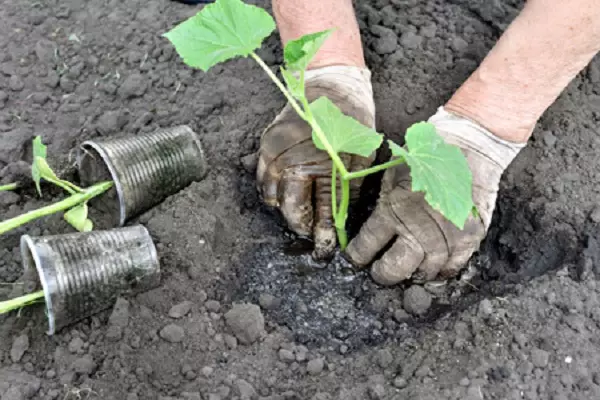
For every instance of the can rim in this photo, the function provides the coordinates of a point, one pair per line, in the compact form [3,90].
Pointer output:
[113,172]
[28,252]
[198,144]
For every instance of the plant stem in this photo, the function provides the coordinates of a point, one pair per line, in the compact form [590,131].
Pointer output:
[279,84]
[333,190]
[10,186]
[72,186]
[305,115]
[62,184]
[342,214]
[372,170]
[20,302]
[63,205]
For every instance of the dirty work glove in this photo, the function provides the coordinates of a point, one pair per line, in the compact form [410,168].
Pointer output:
[290,167]
[424,245]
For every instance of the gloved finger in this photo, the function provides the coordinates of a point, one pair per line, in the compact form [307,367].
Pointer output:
[411,210]
[471,237]
[285,133]
[268,183]
[303,156]
[399,262]
[295,201]
[374,235]
[324,229]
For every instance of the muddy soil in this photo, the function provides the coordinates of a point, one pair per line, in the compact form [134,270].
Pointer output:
[241,313]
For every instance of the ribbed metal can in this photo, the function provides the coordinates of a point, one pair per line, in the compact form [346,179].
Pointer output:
[84,273]
[145,169]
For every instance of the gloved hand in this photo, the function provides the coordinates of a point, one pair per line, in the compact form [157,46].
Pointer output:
[424,245]
[290,167]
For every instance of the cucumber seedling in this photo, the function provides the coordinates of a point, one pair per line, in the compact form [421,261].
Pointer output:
[74,207]
[231,28]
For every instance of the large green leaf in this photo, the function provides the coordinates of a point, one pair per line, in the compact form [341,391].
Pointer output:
[344,134]
[440,170]
[298,53]
[223,30]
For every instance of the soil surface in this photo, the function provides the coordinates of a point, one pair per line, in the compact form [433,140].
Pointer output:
[242,312]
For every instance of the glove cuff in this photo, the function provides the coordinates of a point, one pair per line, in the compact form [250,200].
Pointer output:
[350,82]
[468,134]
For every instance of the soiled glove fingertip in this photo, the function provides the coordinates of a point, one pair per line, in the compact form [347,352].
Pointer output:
[383,276]
[325,242]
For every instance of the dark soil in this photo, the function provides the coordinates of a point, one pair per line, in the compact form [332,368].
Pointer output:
[523,323]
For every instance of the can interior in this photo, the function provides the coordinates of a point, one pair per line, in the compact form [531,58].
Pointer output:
[33,272]
[94,166]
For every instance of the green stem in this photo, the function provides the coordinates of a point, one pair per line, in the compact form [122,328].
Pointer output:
[279,84]
[20,302]
[69,202]
[72,186]
[372,170]
[307,116]
[333,189]
[342,215]
[10,186]
[62,184]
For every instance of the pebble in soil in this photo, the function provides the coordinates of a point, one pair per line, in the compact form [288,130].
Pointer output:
[321,303]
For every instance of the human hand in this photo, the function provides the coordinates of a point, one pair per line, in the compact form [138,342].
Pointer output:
[290,167]
[425,245]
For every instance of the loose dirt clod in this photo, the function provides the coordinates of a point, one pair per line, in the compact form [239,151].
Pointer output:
[416,300]
[172,333]
[180,310]
[19,347]
[246,322]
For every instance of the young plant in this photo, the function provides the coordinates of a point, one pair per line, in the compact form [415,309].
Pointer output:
[230,28]
[74,206]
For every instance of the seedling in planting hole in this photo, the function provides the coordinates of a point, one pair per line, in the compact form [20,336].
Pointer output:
[75,206]
[230,28]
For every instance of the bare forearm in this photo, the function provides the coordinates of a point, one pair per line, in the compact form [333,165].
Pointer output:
[544,48]
[298,18]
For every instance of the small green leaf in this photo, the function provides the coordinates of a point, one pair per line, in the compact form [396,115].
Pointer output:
[39,148]
[88,226]
[294,85]
[221,31]
[440,170]
[344,134]
[39,152]
[77,217]
[298,53]
[44,169]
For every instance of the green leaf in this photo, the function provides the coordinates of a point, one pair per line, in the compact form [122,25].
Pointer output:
[344,134]
[440,170]
[39,153]
[77,217]
[221,31]
[294,85]
[298,53]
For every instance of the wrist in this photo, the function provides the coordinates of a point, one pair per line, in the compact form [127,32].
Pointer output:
[344,45]
[491,104]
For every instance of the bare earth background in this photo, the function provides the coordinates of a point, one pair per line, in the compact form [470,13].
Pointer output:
[526,326]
